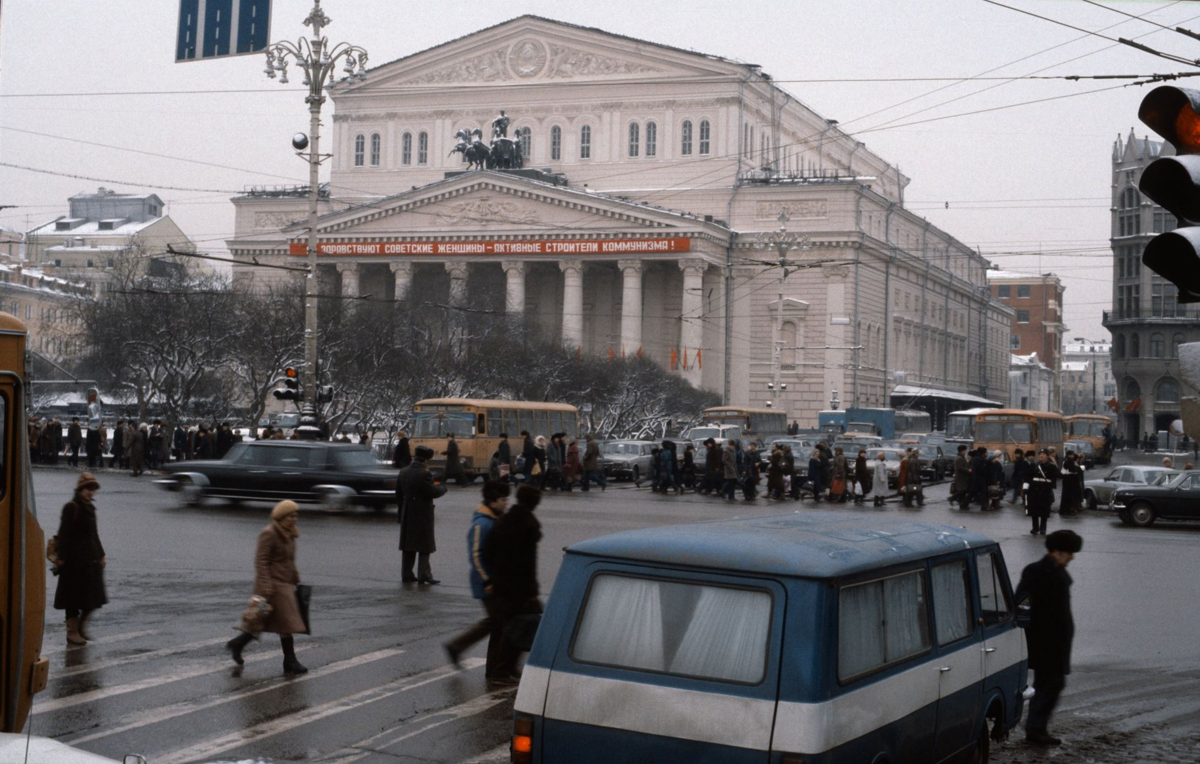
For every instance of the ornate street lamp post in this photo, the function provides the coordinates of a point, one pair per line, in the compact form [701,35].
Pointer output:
[783,242]
[318,61]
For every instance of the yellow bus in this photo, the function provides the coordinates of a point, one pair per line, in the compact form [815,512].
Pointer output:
[1090,427]
[755,422]
[477,425]
[1009,429]
[23,670]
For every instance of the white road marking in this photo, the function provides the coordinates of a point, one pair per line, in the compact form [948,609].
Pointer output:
[84,668]
[164,713]
[499,753]
[210,667]
[210,748]
[98,641]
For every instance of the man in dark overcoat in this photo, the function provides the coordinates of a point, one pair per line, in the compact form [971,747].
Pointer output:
[1039,493]
[74,441]
[403,456]
[454,468]
[960,488]
[979,477]
[1051,629]
[1072,485]
[415,492]
[79,560]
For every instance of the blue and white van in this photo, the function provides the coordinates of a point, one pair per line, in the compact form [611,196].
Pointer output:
[807,638]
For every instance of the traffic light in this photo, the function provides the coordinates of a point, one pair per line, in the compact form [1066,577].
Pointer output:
[325,394]
[1174,184]
[291,389]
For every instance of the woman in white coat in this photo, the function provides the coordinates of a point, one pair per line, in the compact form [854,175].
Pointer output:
[879,480]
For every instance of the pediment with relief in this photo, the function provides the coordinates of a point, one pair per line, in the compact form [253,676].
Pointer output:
[531,58]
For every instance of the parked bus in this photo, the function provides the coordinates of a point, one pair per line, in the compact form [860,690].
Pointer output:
[1009,429]
[755,422]
[960,425]
[23,670]
[1091,427]
[477,425]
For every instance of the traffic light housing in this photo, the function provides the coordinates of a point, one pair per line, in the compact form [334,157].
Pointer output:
[291,388]
[325,394]
[1174,184]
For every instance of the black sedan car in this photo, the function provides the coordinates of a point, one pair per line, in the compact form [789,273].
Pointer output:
[1171,498]
[335,475]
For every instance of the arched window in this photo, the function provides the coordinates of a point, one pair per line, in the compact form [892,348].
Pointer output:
[525,136]
[788,343]
[360,149]
[1120,346]
[1156,345]
[423,148]
[1166,391]
[705,136]
[406,149]
[635,138]
[376,143]
[1135,346]
[685,138]
[585,142]
[555,143]
[1133,390]
[1176,341]
[651,139]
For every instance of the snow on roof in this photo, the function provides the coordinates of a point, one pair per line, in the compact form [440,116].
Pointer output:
[1089,347]
[1017,275]
[92,228]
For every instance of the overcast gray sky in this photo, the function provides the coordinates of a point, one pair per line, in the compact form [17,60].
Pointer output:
[1052,157]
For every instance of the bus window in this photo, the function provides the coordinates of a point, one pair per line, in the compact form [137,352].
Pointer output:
[570,425]
[542,423]
[526,420]
[556,423]
[512,424]
[425,426]
[989,432]
[481,424]
[1019,432]
[495,422]
[463,426]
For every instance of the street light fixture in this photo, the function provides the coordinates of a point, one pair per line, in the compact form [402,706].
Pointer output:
[317,59]
[783,242]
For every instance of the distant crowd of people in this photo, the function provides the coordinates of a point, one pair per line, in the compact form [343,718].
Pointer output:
[131,445]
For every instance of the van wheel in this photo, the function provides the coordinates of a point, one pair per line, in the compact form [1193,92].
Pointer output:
[983,747]
[1142,515]
[1090,499]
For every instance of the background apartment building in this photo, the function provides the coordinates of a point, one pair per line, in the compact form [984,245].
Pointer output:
[1038,323]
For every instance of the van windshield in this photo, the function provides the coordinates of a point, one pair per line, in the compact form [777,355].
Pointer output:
[669,627]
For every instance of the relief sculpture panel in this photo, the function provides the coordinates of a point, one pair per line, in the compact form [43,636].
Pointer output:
[484,210]
[796,210]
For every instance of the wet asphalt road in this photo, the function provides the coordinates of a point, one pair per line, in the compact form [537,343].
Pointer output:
[156,680]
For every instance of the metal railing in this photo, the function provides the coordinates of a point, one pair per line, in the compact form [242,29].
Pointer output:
[1178,313]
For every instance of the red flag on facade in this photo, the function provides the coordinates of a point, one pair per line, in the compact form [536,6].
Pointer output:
[699,360]
[685,359]
[1114,404]
[639,352]
[611,354]
[674,359]
[1134,404]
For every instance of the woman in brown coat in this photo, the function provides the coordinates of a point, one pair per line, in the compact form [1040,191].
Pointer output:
[275,579]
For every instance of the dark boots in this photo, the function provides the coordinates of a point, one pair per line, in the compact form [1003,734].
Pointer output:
[236,645]
[290,664]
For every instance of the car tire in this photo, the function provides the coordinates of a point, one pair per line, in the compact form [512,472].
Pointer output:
[1090,500]
[637,474]
[193,495]
[1141,515]
[333,500]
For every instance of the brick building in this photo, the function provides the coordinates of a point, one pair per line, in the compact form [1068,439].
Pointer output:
[1038,321]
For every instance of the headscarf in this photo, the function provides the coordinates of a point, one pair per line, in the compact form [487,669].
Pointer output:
[281,511]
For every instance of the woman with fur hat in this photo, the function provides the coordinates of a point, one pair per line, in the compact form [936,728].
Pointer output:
[275,579]
[79,560]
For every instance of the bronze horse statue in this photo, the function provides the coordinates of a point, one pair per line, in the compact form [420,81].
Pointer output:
[505,155]
[474,152]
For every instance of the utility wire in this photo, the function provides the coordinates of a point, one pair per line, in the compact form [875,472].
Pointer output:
[115,182]
[1180,30]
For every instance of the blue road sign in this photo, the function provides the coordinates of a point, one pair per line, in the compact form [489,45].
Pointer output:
[217,28]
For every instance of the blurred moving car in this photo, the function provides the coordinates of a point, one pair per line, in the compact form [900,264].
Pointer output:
[335,475]
[1099,490]
[1176,498]
[626,459]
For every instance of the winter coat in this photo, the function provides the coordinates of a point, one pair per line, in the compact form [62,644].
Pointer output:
[914,471]
[529,452]
[712,461]
[1051,627]
[880,480]
[979,475]
[775,472]
[415,493]
[573,467]
[839,467]
[995,473]
[179,440]
[512,553]
[789,463]
[454,468]
[815,474]
[478,552]
[1040,495]
[862,475]
[1022,469]
[729,468]
[825,466]
[554,457]
[118,443]
[275,578]
[136,442]
[1072,485]
[224,442]
[591,457]
[204,445]
[505,452]
[75,436]
[402,457]
[902,475]
[81,575]
[962,475]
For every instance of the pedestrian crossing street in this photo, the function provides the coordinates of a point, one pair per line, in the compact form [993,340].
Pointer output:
[152,693]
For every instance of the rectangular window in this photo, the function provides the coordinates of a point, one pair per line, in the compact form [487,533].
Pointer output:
[494,422]
[951,601]
[685,140]
[651,139]
[1014,342]
[406,149]
[1004,290]
[585,142]
[705,134]
[555,143]
[423,148]
[672,627]
[512,423]
[634,139]
[881,622]
[1022,316]
[1023,291]
[570,426]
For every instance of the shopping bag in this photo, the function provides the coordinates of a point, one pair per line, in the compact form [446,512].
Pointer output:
[303,597]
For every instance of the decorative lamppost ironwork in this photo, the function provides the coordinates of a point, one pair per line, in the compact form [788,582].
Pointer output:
[784,243]
[318,60]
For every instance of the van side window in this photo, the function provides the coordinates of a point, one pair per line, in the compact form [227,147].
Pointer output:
[951,601]
[993,600]
[671,627]
[881,622]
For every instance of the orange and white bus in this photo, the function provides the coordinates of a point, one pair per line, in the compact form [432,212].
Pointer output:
[1009,429]
[1091,427]
[477,425]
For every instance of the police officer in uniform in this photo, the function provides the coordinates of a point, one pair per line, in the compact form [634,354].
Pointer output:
[1039,491]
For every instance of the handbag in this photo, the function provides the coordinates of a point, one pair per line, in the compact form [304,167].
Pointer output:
[838,487]
[537,469]
[254,616]
[303,597]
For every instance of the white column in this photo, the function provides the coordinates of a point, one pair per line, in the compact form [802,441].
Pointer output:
[456,320]
[349,273]
[631,306]
[403,273]
[514,293]
[458,283]
[691,331]
[572,323]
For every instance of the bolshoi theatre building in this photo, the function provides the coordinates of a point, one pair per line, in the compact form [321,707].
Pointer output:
[648,177]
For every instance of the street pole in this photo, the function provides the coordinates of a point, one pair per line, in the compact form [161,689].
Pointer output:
[317,59]
[783,243]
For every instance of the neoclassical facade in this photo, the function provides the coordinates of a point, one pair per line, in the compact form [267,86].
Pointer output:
[650,173]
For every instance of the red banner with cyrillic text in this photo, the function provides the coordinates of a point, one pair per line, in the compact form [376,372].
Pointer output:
[451,248]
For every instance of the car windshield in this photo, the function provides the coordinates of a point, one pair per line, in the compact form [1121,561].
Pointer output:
[354,458]
[1160,477]
[620,448]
